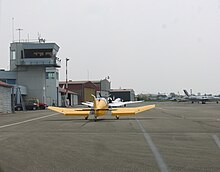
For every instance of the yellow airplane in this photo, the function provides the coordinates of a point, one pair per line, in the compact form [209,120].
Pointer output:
[100,108]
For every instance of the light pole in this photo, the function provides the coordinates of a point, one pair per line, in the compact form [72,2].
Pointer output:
[66,83]
[66,73]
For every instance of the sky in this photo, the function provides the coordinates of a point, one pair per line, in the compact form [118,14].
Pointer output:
[150,46]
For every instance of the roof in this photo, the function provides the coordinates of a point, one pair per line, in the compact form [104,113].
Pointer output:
[99,81]
[37,45]
[83,82]
[73,82]
[121,90]
[63,90]
[70,82]
[5,84]
[96,82]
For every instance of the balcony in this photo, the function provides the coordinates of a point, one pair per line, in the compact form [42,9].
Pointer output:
[48,62]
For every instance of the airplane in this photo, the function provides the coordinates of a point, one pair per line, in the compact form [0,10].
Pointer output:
[179,99]
[202,98]
[113,103]
[100,108]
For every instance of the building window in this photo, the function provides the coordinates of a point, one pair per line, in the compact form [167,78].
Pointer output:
[11,81]
[22,56]
[50,75]
[38,53]
[13,55]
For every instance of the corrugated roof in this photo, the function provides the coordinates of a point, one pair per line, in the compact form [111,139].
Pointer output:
[5,84]
[121,90]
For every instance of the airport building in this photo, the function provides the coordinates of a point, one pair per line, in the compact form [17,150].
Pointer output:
[5,98]
[30,62]
[124,94]
[103,87]
[84,89]
[34,71]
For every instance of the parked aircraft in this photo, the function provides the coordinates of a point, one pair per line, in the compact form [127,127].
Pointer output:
[113,103]
[202,98]
[100,108]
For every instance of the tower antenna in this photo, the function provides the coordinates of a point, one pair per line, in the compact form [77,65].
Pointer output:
[19,34]
[13,33]
[41,40]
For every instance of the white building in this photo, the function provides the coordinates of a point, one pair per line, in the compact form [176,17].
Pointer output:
[5,98]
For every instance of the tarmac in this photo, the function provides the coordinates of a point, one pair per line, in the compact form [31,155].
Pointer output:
[172,137]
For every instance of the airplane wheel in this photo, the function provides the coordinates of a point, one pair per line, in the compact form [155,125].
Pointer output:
[117,117]
[86,117]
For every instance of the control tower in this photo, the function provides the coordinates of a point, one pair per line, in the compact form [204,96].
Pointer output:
[30,62]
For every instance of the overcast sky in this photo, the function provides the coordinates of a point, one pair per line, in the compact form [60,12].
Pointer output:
[149,45]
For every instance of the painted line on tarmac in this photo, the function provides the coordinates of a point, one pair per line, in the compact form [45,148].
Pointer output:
[217,141]
[26,121]
[160,108]
[162,165]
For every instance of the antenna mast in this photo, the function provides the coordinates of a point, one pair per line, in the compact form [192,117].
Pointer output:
[19,33]
[13,33]
[41,40]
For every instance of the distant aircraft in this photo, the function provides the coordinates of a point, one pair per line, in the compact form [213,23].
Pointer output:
[202,99]
[99,108]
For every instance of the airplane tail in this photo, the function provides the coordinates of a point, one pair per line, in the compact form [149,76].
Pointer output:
[94,101]
[186,93]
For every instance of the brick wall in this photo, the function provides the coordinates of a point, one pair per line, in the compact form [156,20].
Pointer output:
[5,99]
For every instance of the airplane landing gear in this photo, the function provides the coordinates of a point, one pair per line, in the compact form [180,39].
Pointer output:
[86,117]
[95,118]
[117,117]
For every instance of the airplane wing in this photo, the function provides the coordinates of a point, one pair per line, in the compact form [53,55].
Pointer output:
[120,103]
[130,111]
[71,111]
[90,104]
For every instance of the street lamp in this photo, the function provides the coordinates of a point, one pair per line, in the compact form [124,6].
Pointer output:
[66,82]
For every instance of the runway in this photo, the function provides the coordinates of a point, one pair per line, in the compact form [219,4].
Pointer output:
[171,137]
